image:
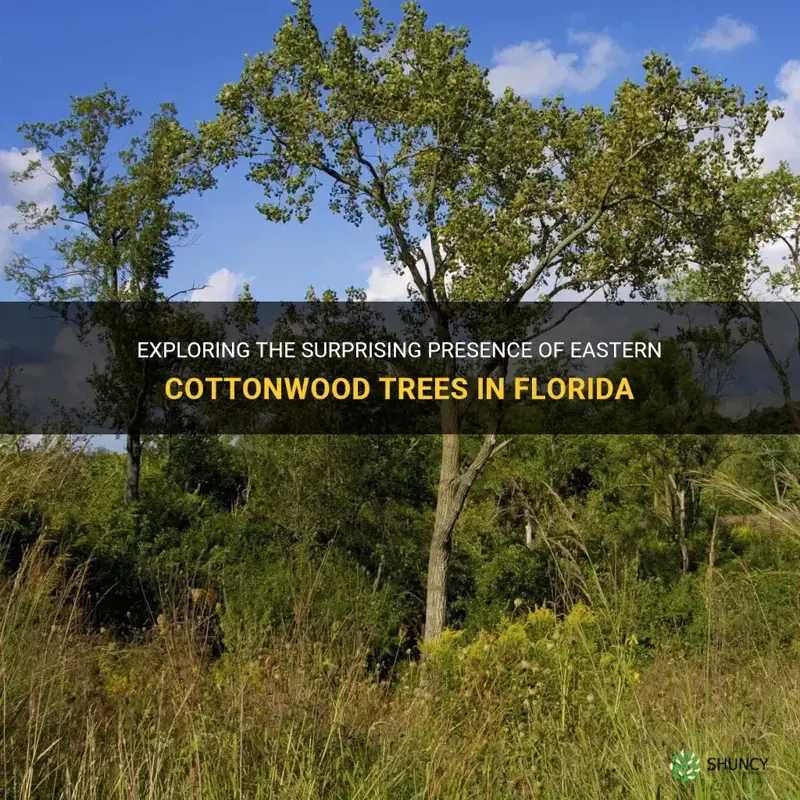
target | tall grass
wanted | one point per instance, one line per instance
(301, 717)
(545, 706)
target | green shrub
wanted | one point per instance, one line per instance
(536, 664)
(320, 594)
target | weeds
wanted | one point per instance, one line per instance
(276, 695)
(541, 708)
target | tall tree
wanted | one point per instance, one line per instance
(118, 221)
(754, 259)
(482, 197)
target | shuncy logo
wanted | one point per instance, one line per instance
(685, 766)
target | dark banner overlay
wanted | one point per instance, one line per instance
(353, 367)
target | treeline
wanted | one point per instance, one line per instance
(259, 630)
(652, 513)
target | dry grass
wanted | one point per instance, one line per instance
(159, 718)
(294, 715)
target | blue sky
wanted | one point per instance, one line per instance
(183, 52)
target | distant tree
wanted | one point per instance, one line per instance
(118, 223)
(755, 259)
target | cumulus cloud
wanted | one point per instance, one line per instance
(39, 189)
(725, 34)
(781, 142)
(535, 69)
(8, 215)
(384, 284)
(220, 287)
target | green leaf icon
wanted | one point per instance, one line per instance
(685, 766)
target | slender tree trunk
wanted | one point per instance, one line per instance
(377, 582)
(134, 458)
(134, 468)
(442, 540)
(528, 533)
(454, 487)
(786, 387)
(134, 450)
(682, 530)
(678, 493)
(778, 368)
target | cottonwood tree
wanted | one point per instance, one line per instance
(482, 197)
(755, 259)
(117, 223)
(676, 467)
(774, 215)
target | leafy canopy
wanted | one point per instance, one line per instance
(116, 209)
(484, 197)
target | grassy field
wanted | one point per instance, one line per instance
(541, 708)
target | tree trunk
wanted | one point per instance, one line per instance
(134, 453)
(682, 530)
(133, 450)
(442, 540)
(786, 387)
(376, 584)
(454, 486)
(528, 534)
(778, 368)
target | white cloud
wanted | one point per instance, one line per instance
(8, 215)
(781, 142)
(220, 287)
(725, 34)
(789, 79)
(68, 345)
(384, 284)
(535, 69)
(39, 189)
